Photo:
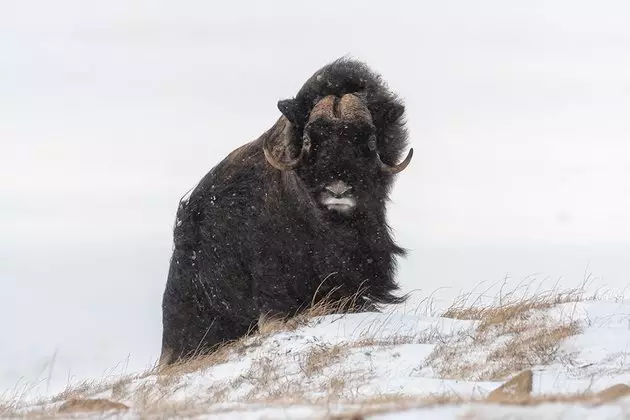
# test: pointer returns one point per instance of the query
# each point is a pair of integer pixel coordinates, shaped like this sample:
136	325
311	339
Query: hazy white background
519	113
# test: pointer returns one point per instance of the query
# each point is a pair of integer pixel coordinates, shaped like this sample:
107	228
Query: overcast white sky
110	111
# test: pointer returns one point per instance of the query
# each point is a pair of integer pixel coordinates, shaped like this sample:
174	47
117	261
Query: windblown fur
252	239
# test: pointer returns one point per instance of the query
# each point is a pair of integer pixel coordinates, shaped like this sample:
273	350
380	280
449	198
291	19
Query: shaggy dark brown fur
254	239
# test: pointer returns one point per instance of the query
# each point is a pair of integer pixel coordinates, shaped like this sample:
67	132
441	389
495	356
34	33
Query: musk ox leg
188	333
182	341
196	318
188	330
166	358
187	326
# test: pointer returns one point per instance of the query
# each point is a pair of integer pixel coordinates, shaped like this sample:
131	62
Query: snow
543	412
379	363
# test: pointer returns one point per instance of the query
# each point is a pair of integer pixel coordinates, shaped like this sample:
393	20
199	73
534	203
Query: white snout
342	205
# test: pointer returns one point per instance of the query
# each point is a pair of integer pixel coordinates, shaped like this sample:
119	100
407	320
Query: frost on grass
323	363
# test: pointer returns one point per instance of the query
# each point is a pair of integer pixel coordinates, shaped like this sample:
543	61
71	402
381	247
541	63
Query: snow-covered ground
397	364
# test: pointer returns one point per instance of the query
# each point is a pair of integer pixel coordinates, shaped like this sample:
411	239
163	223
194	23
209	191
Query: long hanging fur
251	239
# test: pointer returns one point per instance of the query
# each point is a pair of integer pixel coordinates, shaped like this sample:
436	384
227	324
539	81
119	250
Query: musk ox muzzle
349	108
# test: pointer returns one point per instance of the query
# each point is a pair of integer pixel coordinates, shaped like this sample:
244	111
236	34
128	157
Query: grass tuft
515	333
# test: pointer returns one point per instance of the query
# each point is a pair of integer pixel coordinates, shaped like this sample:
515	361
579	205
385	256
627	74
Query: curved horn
396	168
306	146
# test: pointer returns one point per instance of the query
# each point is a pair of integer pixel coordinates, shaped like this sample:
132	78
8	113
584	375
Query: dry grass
385	342
512	335
509	306
271	383
391	403
7	408
320	357
86	389
221	354
538	347
361	407
267	325
399	403
336	386
429	336
272	380
267	383
318	307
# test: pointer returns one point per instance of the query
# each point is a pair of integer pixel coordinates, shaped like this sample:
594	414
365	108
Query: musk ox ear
393	113
289	109
388	113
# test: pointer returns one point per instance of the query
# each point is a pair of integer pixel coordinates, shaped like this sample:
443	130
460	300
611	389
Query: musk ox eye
306	140
372	143
315	135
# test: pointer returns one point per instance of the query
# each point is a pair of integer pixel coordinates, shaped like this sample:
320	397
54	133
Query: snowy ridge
388	365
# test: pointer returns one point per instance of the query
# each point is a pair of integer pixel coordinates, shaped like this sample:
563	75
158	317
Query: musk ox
291	217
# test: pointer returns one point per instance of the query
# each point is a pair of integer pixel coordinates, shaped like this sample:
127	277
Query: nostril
332	190
338	188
